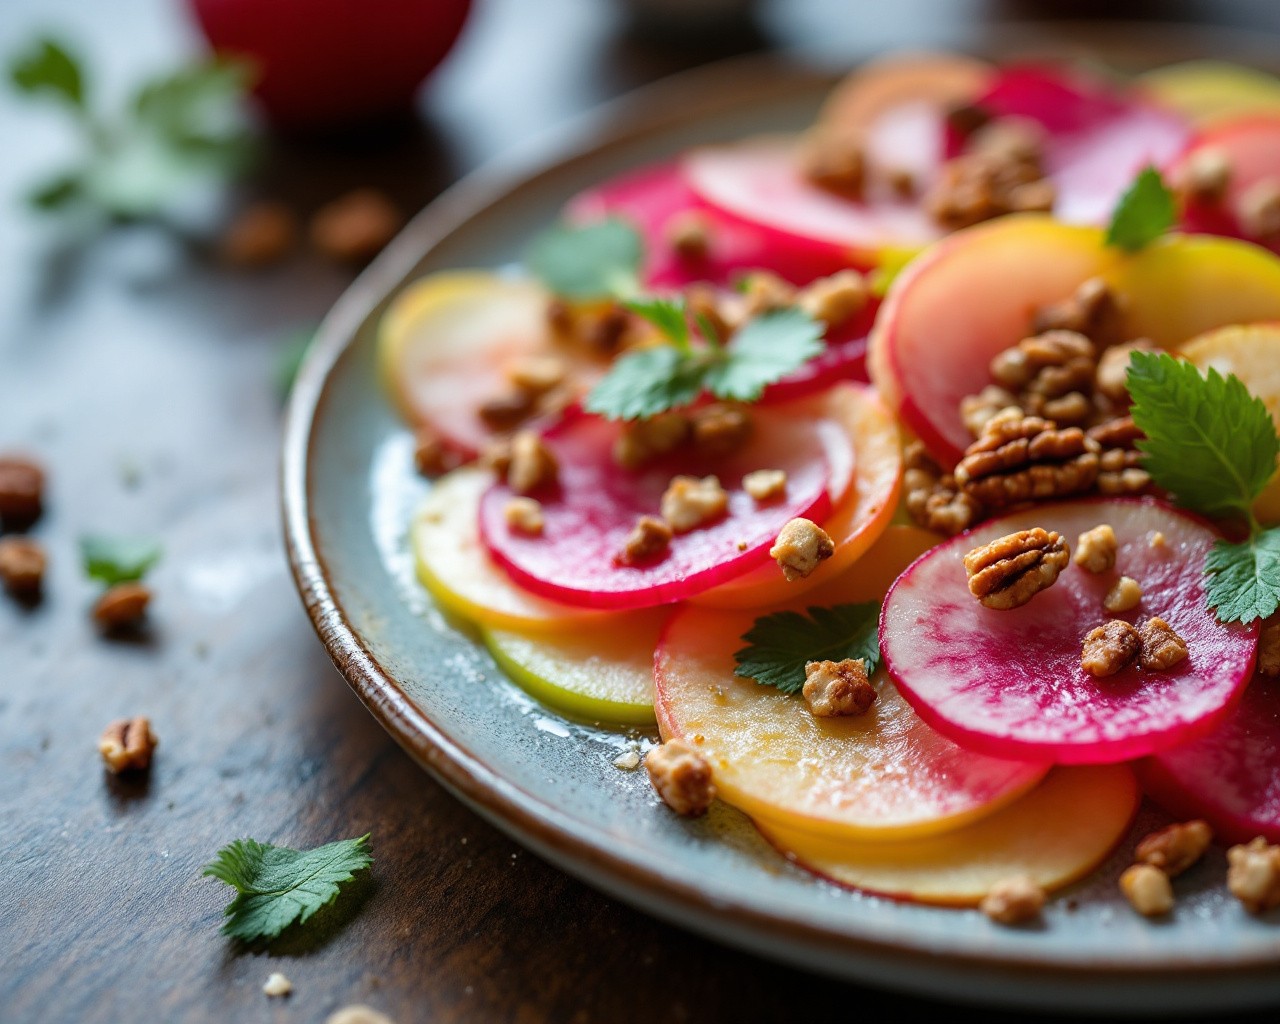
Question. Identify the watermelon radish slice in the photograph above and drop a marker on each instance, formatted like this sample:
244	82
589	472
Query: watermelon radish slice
1252	148
652	198
1009	683
596	503
1231	777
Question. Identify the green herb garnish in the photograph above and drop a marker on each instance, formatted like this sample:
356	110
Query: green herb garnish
176	128
780	644
1145	212
1213	447
115	560
276	886
594	261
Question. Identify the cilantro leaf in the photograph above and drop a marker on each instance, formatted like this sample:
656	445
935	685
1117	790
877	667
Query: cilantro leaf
118	559
49	68
1244	578
1209	442
668	315
1144	213
765	350
646	382
589	261
780	644
276	886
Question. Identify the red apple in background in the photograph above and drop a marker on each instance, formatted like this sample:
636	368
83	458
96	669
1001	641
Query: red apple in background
333	62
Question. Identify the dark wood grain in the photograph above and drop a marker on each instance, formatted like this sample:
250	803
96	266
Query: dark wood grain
141	374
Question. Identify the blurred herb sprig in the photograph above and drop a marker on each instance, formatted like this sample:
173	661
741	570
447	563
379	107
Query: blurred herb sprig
175	129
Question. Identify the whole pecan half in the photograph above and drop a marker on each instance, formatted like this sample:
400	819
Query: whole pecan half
1009	571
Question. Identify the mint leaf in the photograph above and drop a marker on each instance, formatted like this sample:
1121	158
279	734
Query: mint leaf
1244	578
668	315
780	644
276	886
1209	442
48	68
765	350
196	112
1145	212
118	559
591	261
644	383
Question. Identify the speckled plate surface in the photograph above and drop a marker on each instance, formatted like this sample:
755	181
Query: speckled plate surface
350	491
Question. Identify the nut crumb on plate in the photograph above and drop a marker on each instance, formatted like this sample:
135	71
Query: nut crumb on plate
126	745
1013	900
765	484
801	546
533	464
648	539
1009	571
1109	648
834	689
1157	540
1162	648
627	760
835	299
1176	847
537	374
720	430
1253	875
524	515
681	776
122	607
1093	310
690	502
358	1014
1147	889
432	455
1096	549
22	565
277	985
1124	595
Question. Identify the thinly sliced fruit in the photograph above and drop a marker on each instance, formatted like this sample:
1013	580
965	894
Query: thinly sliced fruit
1056	834
1209	91
654	200
1231	777
1010	683
446	343
974	294
1099	136
1252	353
596	503
1252	148
604	673
883	775
454	566
856	521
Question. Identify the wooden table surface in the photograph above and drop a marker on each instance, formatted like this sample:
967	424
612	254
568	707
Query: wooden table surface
143	375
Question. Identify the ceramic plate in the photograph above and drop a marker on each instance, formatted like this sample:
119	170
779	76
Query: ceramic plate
349	493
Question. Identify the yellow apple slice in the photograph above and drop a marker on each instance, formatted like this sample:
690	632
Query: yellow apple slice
604	673
1252	353
1056	834
1208	91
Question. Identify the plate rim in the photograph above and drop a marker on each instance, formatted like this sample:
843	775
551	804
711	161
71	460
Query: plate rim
643	112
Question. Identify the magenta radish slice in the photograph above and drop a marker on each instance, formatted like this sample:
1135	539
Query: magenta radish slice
1009	683
1231	777
596	504
654	198
1099	138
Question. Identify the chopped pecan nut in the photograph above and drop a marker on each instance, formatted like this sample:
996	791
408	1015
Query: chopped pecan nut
1269	647
978	410
705	304
127	745
259	235
1253	875
1258	210
1175	848
933	499
644	440
1112	376
1009	571
533	464
836	688
21	491
681	776
1109	648
801	546
609	330
965	119
524	515
1147	889
1096	549
720	430
1162	648
765	484
1124	595
432	455
1205	176
763	291
689	235
538	374
122	607
1014	900
1020	458
1120	433
1047	365
835	299
649	539
835	164
1120	472
690	502
1092	310
355	227
22	565
505	412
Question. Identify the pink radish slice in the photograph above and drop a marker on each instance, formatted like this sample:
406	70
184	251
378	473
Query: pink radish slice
1252	148
596	504
1099	137
654	197
1009	683
1231	777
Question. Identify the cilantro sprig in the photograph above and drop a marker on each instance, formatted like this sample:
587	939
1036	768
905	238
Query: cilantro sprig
276	886
113	560
133	163
1144	213
1213	447
780	644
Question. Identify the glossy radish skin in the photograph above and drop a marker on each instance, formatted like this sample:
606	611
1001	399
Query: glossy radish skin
1252	148
654	198
1009	683
1231	777
596	503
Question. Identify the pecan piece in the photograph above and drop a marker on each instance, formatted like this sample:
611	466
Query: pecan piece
836	688
1009	571
1124	595
127	745
1092	310
356	226
1162	648
533	465
1253	875
681	776
978	410
1014	900
801	546
1112	376
1205	176
21	491
1147	889
1047	365
648	540
1258	210
690	502
1096	549
22	565
1175	848
122	607
934	500
1020	458
1269	647
1109	648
